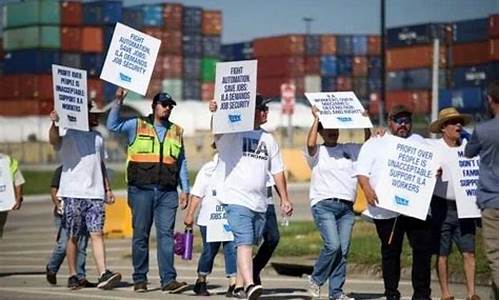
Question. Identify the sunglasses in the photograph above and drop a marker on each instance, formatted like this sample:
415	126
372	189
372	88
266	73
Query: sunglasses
402	120
453	122
166	104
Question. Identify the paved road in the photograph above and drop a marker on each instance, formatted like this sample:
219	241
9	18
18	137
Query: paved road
29	238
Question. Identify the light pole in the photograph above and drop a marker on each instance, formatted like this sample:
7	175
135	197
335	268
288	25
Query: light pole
382	69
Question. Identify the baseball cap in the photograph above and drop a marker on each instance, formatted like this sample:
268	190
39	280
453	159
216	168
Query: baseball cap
260	101
398	110
164	97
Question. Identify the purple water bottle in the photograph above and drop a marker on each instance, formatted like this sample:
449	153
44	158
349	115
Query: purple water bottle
188	244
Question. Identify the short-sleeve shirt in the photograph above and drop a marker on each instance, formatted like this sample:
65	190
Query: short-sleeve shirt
204	189
245	160
332	173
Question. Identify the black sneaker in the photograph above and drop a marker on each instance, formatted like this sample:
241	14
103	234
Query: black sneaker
230	290
253	291
200	288
50	276
109	280
74	283
174	287
141	287
84	283
239	293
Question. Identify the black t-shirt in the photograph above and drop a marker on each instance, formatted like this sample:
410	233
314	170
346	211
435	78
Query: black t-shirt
56	178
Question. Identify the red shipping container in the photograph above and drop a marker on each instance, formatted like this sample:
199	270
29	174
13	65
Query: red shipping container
419	102
279	46
207	91
280	66
413	58
473	53
172	17
158	68
374	104
71	39
493	30
96	91
211	23
92	40
359	66
37	87
344	83
313	65
271	86
155	86
10	86
374	45
171	43
71	13
26	107
153	31
172	67
328	44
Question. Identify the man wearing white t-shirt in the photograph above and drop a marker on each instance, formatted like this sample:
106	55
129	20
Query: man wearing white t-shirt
447	225
84	188
245	160
391	227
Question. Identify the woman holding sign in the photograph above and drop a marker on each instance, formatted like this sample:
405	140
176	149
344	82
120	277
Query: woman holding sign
332	192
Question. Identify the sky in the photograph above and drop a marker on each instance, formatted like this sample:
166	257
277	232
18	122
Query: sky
244	20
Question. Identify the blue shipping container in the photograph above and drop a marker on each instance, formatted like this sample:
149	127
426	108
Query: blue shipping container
192	45
471	31
211	46
415	35
344	65
237	51
344	45
108	35
152	15
192	18
93	63
133	17
30	61
359	45
469	100
471	76
421	79
102	12
73	60
374	85
395	80
191	68
328	65
313	45
328	84
191	90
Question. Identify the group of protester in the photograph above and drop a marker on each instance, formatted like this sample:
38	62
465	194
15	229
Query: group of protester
240	177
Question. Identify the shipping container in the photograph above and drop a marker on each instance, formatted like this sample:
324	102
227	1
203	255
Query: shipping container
471	31
395	80
173	87
26	107
313	45
329	65
152	15
374	85
153	31
107	32
191	90
29	13
418	101
359	45
421	34
133	17
474	76
328	44
192	46
92	62
374	67
192	68
211	46
473	53
493	26
171	43
158	68
102	12
73	60
313	65
469	100
211	23
155	86
413	58
360	66
281	66
207	91
344	83
109	91
172	17
30	61
191	20
37	87
344	65
10	86
71	38
374	45
48	37
271	86
286	45
96	91
208	69
172	66
71	13
312	83
374	104
328	84
360	87
237	51
344	45
92	40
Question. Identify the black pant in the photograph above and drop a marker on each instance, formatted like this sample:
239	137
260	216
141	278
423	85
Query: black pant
420	237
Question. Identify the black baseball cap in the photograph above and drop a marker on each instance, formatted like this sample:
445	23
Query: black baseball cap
261	102
399	110
163	97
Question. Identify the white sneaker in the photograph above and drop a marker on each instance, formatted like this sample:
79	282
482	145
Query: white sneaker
313	288
343	297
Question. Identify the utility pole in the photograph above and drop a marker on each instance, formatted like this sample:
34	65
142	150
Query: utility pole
382	69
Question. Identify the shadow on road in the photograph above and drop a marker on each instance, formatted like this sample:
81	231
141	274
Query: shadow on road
21	273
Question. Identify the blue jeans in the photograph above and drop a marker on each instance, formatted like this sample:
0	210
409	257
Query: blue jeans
271	237
334	220
246	224
150	203
206	262
59	252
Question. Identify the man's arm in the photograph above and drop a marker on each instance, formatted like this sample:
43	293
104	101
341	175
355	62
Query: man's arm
115	124
193	205
473	147
18	190
280	183
184	180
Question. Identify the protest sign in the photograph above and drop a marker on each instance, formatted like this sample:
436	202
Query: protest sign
218	229
407	180
7	196
465	176
235	91
130	59
339	110
70	97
